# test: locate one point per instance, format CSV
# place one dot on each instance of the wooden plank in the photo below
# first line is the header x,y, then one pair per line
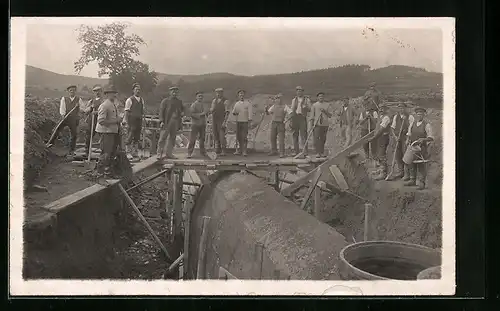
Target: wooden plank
x,y
339,177
287,191
317,176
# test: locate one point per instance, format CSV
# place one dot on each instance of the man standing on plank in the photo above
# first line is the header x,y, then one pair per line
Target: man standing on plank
x,y
400,124
279,111
171,113
347,121
91,112
220,112
67,105
381,139
107,126
320,117
132,119
300,108
367,123
242,110
419,131
198,125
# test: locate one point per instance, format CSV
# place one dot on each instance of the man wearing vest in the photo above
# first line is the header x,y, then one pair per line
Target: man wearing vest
x,y
107,126
91,116
420,131
198,126
279,111
399,127
347,120
66,106
242,110
368,121
132,118
320,117
372,95
171,113
300,108
220,112
381,140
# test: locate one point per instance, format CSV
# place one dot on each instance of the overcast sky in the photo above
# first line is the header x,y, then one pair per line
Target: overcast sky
x,y
175,50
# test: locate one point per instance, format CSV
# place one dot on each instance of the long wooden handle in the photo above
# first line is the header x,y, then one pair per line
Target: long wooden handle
x,y
394,154
91,135
58,125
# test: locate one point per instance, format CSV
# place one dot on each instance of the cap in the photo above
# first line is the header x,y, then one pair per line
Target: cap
x,y
299,88
320,93
97,87
71,87
279,95
219,89
135,85
110,89
372,83
382,107
402,105
240,90
417,109
199,92
173,88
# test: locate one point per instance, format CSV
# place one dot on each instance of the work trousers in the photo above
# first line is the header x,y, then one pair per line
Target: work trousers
x,y
168,134
134,130
72,123
278,133
320,133
418,171
346,131
109,144
299,128
382,143
197,132
89,130
242,136
364,132
399,155
219,135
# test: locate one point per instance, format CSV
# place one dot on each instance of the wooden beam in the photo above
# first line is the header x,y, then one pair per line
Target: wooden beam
x,y
339,177
202,249
317,176
287,191
146,180
187,231
177,181
317,202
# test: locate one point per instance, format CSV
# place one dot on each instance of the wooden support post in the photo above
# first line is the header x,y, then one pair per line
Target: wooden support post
x,y
289,190
154,142
317,202
175,263
202,249
368,208
187,230
259,251
317,176
177,181
277,180
144,221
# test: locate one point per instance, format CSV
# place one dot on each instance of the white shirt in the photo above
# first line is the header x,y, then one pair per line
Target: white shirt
x,y
411,119
128,102
299,103
287,109
374,114
428,129
385,121
62,106
244,110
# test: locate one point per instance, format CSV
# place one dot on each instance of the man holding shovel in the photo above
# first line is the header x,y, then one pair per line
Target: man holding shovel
x,y
91,112
198,126
367,123
69,110
399,128
300,108
279,111
420,133
320,124
171,113
381,139
220,112
132,120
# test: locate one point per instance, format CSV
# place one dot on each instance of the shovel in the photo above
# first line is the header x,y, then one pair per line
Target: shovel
x,y
394,155
91,165
301,154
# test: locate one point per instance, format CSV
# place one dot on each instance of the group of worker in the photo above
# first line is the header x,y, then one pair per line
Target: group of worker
x,y
303,115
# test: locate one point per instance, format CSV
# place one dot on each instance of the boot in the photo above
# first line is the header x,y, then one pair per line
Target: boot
x,y
406,175
421,186
222,153
410,182
282,155
272,153
381,176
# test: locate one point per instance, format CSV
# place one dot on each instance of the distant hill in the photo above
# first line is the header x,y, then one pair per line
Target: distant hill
x,y
195,78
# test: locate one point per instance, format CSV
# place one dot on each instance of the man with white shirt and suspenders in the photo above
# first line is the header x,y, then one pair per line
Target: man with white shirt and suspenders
x,y
279,111
399,128
66,106
301,106
243,113
134,110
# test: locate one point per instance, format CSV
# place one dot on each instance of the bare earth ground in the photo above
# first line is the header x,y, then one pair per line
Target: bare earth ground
x,y
401,213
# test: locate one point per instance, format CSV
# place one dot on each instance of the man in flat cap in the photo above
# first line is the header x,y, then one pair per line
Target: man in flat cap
x,y
199,123
132,120
171,113
91,115
399,128
243,112
108,122
381,139
373,96
278,110
367,122
301,105
347,118
320,116
419,131
220,112
70,106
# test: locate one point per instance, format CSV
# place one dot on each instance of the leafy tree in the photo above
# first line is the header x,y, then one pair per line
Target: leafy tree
x,y
114,52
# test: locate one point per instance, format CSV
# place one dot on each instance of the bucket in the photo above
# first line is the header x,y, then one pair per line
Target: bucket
x,y
410,153
430,273
386,260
